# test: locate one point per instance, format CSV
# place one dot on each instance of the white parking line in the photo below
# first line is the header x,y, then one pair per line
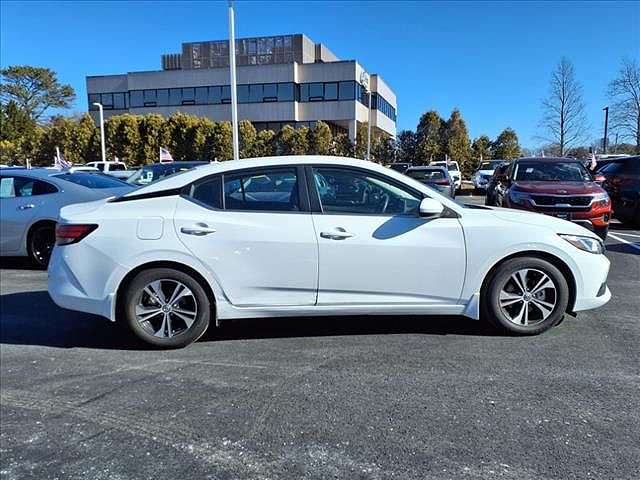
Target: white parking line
x,y
628,234
631,244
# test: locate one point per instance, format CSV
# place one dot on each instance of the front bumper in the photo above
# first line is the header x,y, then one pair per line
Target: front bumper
x,y
592,292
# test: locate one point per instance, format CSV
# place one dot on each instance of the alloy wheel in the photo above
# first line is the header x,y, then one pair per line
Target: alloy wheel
x,y
166,308
528,297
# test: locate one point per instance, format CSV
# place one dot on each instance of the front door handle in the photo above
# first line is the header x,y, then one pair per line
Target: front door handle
x,y
199,230
337,233
26,207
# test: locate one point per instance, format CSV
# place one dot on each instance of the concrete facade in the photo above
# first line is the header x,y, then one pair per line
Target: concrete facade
x,y
301,85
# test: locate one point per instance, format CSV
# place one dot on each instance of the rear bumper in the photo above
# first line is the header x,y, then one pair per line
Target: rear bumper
x,y
70,288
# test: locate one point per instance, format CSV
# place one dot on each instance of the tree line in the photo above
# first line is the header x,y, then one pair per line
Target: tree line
x,y
27,93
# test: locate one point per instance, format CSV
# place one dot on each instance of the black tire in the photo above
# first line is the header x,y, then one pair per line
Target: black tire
x,y
179,338
601,232
492,312
40,242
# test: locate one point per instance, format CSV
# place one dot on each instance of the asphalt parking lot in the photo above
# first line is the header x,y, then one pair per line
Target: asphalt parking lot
x,y
368,397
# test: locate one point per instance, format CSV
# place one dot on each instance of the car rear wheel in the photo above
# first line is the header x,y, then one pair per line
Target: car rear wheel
x,y
525,296
40,244
166,308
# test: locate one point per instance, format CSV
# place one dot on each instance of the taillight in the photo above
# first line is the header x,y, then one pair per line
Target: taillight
x,y
68,234
442,182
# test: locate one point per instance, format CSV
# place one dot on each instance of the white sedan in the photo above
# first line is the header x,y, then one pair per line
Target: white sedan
x,y
298,236
30,202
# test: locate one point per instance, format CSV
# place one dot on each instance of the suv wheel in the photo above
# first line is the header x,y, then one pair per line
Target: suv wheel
x,y
525,296
166,308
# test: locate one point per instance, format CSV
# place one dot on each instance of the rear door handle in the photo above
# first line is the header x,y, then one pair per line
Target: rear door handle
x,y
337,233
199,230
26,207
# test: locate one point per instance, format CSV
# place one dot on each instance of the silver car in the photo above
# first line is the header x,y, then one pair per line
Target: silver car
x,y
30,201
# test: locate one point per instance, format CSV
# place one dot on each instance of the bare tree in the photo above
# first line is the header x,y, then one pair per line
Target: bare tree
x,y
564,120
625,92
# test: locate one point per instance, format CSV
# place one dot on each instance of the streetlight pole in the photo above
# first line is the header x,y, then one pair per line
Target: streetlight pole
x,y
102,141
364,81
606,128
232,71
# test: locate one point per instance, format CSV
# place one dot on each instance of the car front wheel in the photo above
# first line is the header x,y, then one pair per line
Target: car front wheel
x,y
525,296
166,308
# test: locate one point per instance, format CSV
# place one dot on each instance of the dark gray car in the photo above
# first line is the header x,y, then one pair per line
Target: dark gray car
x,y
437,178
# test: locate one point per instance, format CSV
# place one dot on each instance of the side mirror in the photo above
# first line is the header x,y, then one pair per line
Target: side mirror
x,y
599,178
430,208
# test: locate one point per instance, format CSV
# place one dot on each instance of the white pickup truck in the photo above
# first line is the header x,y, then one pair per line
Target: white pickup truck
x,y
114,168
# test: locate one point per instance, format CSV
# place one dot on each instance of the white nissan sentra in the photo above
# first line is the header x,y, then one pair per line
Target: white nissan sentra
x,y
300,236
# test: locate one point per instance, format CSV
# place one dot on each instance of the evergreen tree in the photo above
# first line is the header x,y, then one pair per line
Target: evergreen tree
x,y
506,146
456,142
407,146
247,138
320,139
429,138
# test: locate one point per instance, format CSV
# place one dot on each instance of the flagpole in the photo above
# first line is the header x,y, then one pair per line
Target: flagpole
x,y
232,71
57,162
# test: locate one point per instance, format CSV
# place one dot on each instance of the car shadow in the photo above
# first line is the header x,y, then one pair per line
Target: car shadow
x,y
622,248
17,263
31,318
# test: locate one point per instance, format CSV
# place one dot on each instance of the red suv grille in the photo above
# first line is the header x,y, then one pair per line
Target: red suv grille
x,y
553,200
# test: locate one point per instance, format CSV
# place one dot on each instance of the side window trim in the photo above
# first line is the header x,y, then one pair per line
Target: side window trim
x,y
315,195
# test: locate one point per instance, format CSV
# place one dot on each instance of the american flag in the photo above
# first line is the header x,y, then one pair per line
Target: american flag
x,y
165,156
62,162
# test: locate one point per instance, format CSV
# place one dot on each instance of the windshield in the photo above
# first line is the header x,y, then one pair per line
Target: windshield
x,y
426,175
551,172
489,165
92,180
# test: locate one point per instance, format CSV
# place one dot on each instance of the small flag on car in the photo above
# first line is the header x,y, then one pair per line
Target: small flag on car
x,y
60,161
165,156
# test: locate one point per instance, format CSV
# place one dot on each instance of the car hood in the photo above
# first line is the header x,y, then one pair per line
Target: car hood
x,y
538,219
558,188
484,172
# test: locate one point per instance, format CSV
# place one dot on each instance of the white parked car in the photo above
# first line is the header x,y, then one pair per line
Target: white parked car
x,y
299,236
482,176
454,171
30,202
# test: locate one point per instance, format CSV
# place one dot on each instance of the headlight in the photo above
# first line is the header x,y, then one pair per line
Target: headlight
x,y
520,198
601,199
588,244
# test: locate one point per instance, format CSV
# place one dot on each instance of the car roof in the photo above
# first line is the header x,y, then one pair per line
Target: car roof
x,y
548,159
198,172
428,167
32,172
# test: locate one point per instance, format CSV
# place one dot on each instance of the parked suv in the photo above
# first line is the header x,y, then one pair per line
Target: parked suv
x,y
482,176
560,187
622,182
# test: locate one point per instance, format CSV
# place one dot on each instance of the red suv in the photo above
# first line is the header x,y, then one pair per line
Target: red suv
x,y
560,187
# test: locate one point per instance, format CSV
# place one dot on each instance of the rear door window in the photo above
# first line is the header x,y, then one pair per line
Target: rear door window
x,y
270,189
24,187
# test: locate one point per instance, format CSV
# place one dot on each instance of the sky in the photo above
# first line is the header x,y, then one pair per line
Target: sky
x,y
491,60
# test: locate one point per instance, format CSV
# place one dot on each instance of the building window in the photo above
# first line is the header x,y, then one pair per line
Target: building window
x,y
107,101
150,98
331,91
243,93
316,92
215,95
162,97
304,92
188,96
226,94
346,90
118,101
136,99
201,95
93,98
285,92
255,92
175,96
270,92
